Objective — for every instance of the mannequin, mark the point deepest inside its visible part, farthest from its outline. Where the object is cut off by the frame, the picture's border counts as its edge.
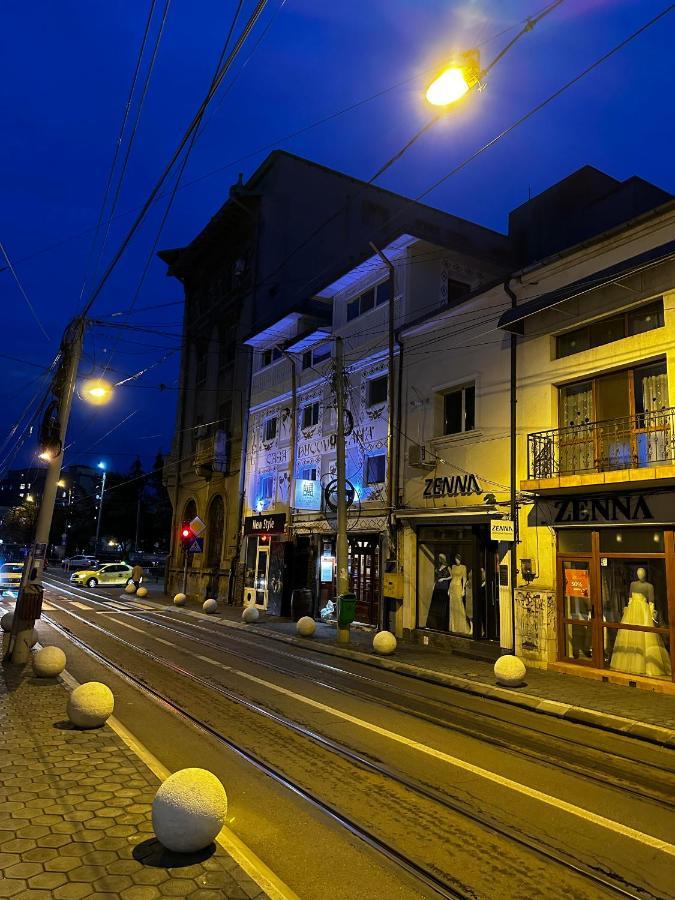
(458, 579)
(437, 617)
(468, 600)
(640, 652)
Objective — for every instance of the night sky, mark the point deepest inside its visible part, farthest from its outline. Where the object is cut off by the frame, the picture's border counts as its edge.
(67, 70)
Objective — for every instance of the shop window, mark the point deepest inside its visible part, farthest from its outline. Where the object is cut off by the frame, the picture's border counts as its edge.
(375, 469)
(459, 410)
(631, 540)
(622, 580)
(270, 429)
(310, 415)
(574, 540)
(611, 328)
(377, 390)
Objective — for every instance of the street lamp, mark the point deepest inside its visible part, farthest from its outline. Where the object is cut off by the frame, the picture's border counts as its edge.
(455, 81)
(101, 465)
(97, 391)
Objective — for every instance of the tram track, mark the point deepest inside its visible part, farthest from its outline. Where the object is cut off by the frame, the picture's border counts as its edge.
(431, 879)
(603, 765)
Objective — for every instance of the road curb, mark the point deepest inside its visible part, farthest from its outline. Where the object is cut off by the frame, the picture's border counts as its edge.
(644, 731)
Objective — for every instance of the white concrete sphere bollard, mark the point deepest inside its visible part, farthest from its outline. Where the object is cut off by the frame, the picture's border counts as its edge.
(306, 626)
(510, 670)
(130, 588)
(49, 662)
(90, 705)
(250, 614)
(179, 600)
(384, 643)
(189, 810)
(210, 605)
(142, 592)
(6, 621)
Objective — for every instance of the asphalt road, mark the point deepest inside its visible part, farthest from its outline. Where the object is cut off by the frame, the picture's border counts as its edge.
(351, 782)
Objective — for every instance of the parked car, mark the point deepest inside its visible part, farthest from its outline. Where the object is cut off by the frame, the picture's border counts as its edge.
(10, 575)
(108, 575)
(79, 561)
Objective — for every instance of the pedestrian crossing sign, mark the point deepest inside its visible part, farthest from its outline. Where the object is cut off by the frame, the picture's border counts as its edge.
(197, 546)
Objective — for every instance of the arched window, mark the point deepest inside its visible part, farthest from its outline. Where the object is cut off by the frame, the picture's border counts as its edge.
(216, 526)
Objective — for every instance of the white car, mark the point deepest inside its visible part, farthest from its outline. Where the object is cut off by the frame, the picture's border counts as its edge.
(110, 574)
(80, 561)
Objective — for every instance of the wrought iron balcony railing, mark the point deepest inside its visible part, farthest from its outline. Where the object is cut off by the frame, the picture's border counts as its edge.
(632, 442)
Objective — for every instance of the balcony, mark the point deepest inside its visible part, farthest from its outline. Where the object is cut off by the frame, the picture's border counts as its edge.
(631, 447)
(212, 454)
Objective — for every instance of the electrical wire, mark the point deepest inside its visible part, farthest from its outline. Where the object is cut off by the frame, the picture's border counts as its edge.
(23, 292)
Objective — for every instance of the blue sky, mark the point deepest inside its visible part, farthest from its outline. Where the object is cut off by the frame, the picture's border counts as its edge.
(68, 66)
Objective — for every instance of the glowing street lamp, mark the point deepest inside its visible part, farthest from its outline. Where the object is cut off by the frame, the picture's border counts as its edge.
(455, 81)
(97, 391)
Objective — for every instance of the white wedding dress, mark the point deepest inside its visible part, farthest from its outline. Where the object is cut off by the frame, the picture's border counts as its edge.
(640, 652)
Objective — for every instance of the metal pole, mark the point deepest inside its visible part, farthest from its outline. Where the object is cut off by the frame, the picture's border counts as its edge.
(100, 509)
(22, 630)
(341, 543)
(185, 562)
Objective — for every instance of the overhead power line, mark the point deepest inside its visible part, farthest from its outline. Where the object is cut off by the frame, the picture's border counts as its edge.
(23, 292)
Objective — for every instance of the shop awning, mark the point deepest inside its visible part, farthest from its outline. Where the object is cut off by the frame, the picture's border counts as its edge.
(513, 319)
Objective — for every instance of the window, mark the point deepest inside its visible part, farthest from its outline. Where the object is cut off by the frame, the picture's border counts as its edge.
(368, 300)
(377, 390)
(308, 473)
(456, 290)
(270, 356)
(225, 415)
(202, 363)
(265, 487)
(313, 357)
(215, 531)
(375, 467)
(611, 328)
(270, 429)
(459, 410)
(310, 415)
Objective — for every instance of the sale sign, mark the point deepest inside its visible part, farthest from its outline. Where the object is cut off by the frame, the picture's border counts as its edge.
(576, 582)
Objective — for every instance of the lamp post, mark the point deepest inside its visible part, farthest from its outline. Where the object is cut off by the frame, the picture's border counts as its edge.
(101, 465)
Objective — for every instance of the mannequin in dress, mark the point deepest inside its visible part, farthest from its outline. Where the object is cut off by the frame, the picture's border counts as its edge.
(458, 579)
(640, 652)
(437, 617)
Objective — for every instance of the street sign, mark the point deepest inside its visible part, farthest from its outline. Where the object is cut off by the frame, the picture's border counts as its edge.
(197, 525)
(501, 530)
(197, 546)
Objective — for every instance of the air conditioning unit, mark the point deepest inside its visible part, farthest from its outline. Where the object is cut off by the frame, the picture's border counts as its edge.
(418, 457)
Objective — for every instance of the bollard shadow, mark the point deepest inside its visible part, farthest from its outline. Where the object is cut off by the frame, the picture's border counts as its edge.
(64, 725)
(152, 853)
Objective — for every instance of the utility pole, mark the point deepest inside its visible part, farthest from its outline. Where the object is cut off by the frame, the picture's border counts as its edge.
(341, 543)
(100, 508)
(31, 579)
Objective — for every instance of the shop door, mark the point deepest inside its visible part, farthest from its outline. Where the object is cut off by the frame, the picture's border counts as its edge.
(364, 576)
(577, 602)
(261, 574)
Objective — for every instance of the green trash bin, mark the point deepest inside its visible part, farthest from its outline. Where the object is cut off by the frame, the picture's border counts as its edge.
(346, 610)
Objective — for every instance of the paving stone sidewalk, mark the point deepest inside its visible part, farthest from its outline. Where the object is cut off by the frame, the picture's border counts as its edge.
(75, 811)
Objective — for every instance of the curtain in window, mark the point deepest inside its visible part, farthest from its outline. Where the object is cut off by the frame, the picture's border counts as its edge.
(654, 444)
(576, 437)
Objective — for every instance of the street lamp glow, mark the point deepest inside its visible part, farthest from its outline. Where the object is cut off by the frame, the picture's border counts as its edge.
(45, 455)
(455, 81)
(101, 465)
(97, 391)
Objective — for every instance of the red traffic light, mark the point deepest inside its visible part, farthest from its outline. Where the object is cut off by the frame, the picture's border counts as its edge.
(186, 533)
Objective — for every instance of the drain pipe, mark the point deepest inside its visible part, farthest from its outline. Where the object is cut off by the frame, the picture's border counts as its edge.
(513, 466)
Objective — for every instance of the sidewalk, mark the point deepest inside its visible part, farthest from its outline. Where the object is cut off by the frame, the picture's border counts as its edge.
(648, 715)
(76, 809)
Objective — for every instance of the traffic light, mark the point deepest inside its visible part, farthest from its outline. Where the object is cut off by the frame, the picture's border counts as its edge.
(186, 534)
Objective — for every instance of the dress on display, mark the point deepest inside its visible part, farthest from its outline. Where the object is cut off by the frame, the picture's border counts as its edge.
(458, 620)
(437, 617)
(639, 652)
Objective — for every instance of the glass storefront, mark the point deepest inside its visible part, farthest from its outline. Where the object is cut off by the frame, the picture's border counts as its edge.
(457, 584)
(613, 587)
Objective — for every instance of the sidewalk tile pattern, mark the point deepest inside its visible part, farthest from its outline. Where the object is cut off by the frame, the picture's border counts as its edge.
(75, 808)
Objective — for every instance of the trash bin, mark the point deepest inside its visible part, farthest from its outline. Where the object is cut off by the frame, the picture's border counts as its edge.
(346, 610)
(301, 603)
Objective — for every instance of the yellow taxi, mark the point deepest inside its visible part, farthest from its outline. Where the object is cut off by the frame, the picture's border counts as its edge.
(109, 575)
(10, 576)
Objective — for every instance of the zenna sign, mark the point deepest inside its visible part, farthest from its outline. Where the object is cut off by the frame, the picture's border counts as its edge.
(452, 486)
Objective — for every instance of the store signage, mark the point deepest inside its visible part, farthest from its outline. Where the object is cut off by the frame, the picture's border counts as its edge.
(576, 582)
(312, 449)
(327, 564)
(275, 457)
(619, 508)
(501, 530)
(452, 486)
(307, 494)
(272, 523)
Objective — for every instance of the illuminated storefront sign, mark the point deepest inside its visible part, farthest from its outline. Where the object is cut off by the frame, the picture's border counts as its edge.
(452, 486)
(307, 494)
